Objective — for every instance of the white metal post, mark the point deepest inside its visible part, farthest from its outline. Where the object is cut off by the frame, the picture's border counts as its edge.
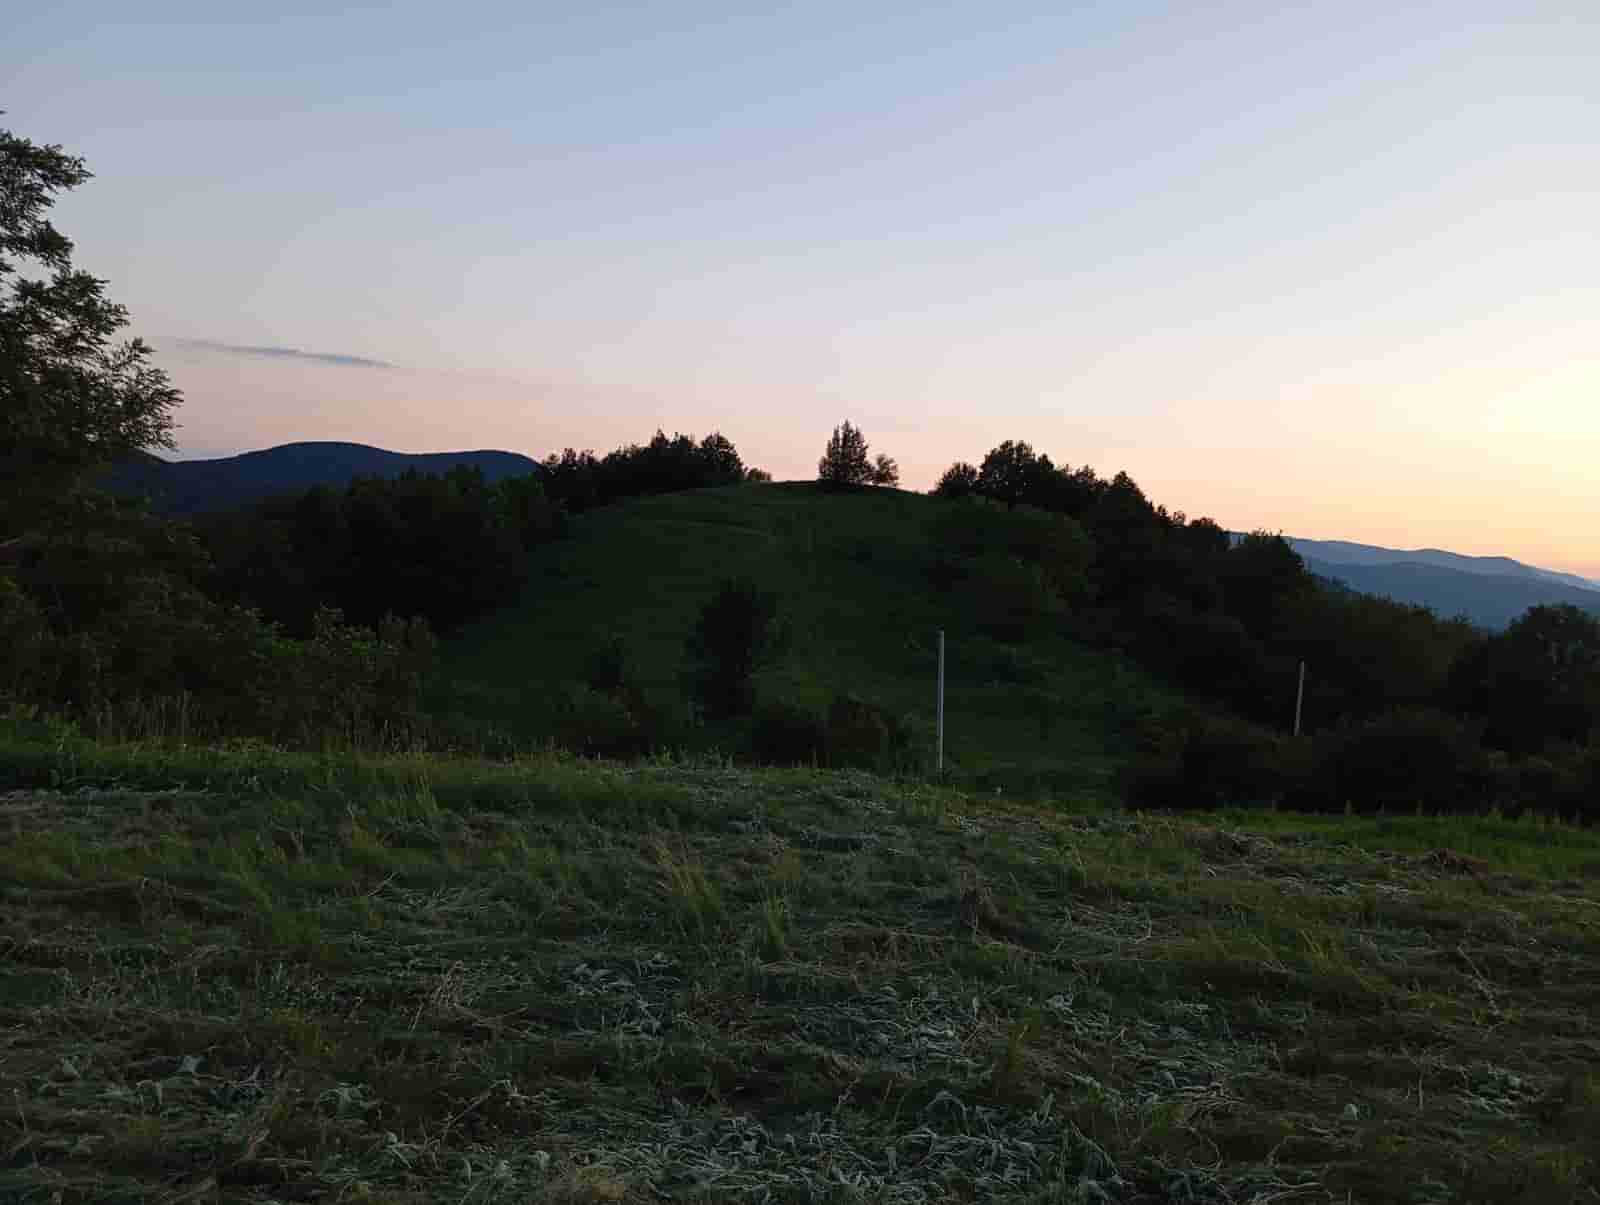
(941, 701)
(1299, 697)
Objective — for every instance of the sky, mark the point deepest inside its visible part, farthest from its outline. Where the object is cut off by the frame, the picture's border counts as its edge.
(1330, 270)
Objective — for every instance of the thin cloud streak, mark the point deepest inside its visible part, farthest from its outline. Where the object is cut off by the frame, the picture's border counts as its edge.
(284, 353)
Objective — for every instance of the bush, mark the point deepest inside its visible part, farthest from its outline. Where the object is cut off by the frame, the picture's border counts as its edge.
(106, 628)
(1152, 782)
(1210, 762)
(596, 724)
(606, 667)
(736, 632)
(785, 734)
(362, 686)
(1400, 761)
(1585, 806)
(1227, 761)
(865, 735)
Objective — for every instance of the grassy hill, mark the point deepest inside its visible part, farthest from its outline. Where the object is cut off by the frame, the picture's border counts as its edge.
(851, 572)
(244, 977)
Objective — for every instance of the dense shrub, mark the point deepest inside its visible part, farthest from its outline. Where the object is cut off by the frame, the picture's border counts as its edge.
(736, 632)
(609, 724)
(786, 734)
(1210, 761)
(605, 667)
(1400, 761)
(104, 623)
(1585, 799)
(863, 734)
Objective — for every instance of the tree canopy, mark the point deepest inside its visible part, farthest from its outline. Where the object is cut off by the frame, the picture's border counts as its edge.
(845, 462)
(581, 480)
(72, 398)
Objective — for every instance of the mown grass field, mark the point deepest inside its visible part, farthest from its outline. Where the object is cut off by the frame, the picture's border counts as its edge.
(859, 615)
(253, 977)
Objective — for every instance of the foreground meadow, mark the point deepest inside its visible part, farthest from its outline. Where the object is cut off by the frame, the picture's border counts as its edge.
(251, 977)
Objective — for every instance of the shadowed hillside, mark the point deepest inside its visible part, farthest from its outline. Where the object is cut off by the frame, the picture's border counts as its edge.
(188, 487)
(860, 616)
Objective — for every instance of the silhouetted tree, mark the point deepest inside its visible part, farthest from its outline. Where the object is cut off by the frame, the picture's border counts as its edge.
(581, 481)
(736, 631)
(1536, 683)
(845, 463)
(885, 471)
(71, 400)
(1007, 472)
(719, 462)
(1129, 540)
(960, 480)
(573, 479)
(1261, 574)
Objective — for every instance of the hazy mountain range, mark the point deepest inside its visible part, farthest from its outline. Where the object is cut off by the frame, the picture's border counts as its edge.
(190, 487)
(1491, 591)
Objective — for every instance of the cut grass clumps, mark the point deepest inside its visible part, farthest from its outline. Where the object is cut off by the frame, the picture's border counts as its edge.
(237, 976)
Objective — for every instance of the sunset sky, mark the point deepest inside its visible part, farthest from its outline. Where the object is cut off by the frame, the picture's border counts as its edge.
(1326, 269)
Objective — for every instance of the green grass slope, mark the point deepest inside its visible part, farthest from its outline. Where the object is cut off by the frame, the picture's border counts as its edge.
(861, 617)
(242, 977)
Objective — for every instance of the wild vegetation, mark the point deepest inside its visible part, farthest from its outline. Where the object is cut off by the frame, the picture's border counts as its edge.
(1407, 708)
(229, 971)
(439, 548)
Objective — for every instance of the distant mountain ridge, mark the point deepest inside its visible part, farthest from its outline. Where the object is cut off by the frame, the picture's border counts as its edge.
(1490, 591)
(191, 487)
(1343, 552)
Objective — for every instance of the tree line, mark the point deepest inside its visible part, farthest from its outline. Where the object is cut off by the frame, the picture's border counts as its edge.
(1429, 708)
(580, 481)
